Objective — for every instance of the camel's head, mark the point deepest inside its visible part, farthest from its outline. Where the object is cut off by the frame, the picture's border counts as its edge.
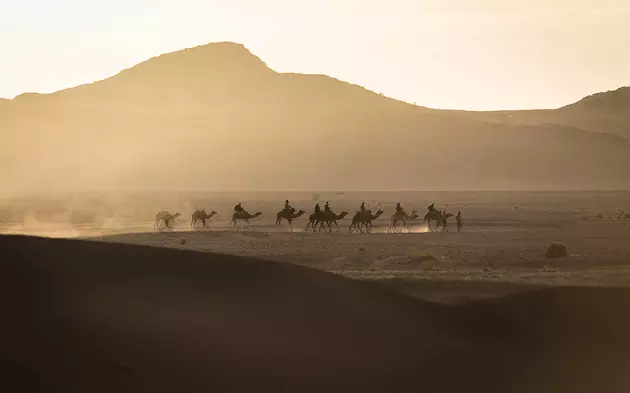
(176, 215)
(343, 214)
(447, 216)
(300, 213)
(258, 214)
(212, 213)
(378, 213)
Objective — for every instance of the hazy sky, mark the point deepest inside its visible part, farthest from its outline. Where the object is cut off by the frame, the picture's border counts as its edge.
(471, 54)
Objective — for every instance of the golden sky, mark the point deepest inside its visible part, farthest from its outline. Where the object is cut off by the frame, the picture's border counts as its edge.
(459, 54)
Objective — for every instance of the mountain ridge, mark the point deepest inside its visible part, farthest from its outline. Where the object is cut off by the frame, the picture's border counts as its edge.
(218, 112)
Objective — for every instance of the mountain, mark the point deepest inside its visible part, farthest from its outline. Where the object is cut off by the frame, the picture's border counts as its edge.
(216, 117)
(607, 112)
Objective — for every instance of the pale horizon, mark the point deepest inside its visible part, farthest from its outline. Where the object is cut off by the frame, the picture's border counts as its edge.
(474, 55)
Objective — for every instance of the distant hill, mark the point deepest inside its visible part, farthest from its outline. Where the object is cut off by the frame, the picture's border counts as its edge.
(615, 101)
(607, 112)
(216, 117)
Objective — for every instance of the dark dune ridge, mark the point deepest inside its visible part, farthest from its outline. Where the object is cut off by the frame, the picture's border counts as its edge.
(82, 316)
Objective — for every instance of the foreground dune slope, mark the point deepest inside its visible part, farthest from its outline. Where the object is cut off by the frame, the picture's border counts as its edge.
(84, 316)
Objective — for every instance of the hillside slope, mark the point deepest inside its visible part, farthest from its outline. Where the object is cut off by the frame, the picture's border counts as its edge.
(607, 112)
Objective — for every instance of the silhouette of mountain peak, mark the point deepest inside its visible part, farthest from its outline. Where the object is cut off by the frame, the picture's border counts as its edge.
(221, 60)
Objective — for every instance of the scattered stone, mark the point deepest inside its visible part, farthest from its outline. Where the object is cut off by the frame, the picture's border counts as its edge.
(183, 241)
(556, 250)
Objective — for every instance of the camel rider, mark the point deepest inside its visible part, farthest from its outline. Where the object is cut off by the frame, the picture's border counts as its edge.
(327, 208)
(318, 210)
(238, 208)
(362, 209)
(287, 207)
(399, 209)
(431, 206)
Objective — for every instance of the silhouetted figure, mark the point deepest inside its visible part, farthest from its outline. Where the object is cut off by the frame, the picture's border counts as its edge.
(399, 209)
(431, 207)
(327, 207)
(288, 207)
(238, 208)
(362, 207)
(459, 221)
(318, 210)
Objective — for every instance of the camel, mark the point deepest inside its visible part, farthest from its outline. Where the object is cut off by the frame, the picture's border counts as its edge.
(328, 218)
(289, 216)
(401, 216)
(244, 217)
(365, 219)
(165, 217)
(201, 215)
(438, 217)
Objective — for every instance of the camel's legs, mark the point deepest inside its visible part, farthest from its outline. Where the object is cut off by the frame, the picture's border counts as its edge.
(361, 227)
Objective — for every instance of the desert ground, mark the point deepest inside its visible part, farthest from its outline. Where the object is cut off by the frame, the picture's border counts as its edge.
(120, 307)
(500, 251)
(85, 316)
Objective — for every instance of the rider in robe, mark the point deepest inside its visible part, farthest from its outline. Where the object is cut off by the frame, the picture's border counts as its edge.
(431, 207)
(287, 207)
(399, 209)
(327, 207)
(318, 210)
(238, 208)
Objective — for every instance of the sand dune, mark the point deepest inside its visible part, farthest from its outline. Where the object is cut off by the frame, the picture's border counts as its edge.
(96, 317)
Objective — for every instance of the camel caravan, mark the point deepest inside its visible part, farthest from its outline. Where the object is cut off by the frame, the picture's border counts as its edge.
(320, 219)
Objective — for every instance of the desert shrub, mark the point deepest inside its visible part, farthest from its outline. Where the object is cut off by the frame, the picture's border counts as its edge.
(548, 269)
(556, 250)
